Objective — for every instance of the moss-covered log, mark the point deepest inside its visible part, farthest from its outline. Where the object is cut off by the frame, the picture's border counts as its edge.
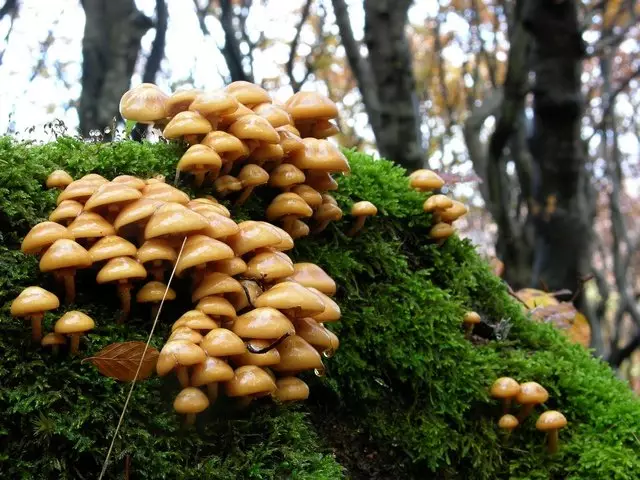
(405, 385)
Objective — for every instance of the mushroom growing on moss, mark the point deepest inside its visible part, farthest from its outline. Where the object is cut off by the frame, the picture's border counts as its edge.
(64, 257)
(470, 319)
(53, 340)
(530, 395)
(59, 179)
(88, 227)
(508, 423)
(199, 160)
(210, 373)
(506, 389)
(188, 125)
(32, 303)
(425, 180)
(179, 355)
(74, 324)
(66, 212)
(251, 176)
(361, 210)
(551, 421)
(42, 236)
(157, 256)
(291, 389)
(441, 231)
(122, 271)
(190, 401)
(249, 380)
(144, 103)
(153, 292)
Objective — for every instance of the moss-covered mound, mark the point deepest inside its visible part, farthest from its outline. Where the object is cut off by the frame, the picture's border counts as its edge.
(406, 396)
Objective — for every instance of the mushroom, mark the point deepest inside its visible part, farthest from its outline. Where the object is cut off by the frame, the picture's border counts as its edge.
(437, 203)
(219, 226)
(215, 283)
(74, 324)
(275, 115)
(89, 227)
(188, 125)
(331, 311)
(247, 93)
(53, 340)
(42, 236)
(195, 320)
(321, 181)
(308, 194)
(323, 340)
(508, 422)
(180, 100)
(311, 275)
(322, 129)
(441, 231)
(267, 155)
(129, 181)
(64, 257)
(252, 235)
(32, 303)
(165, 193)
(227, 184)
(425, 180)
(231, 266)
(250, 177)
(110, 198)
(269, 265)
(266, 357)
(66, 212)
(286, 176)
(199, 160)
(249, 381)
(296, 355)
(59, 179)
(320, 155)
(210, 373)
(254, 131)
(551, 421)
(325, 214)
(121, 271)
(174, 223)
(291, 389)
(290, 140)
(217, 307)
(505, 388)
(288, 207)
(299, 229)
(200, 250)
(361, 210)
(179, 355)
(221, 342)
(154, 292)
(190, 401)
(453, 213)
(293, 299)
(155, 255)
(230, 148)
(185, 333)
(309, 108)
(247, 296)
(263, 323)
(213, 104)
(470, 319)
(132, 219)
(110, 247)
(79, 190)
(530, 395)
(144, 103)
(227, 120)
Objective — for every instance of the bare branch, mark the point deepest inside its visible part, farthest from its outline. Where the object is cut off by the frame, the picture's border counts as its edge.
(294, 47)
(157, 49)
(231, 50)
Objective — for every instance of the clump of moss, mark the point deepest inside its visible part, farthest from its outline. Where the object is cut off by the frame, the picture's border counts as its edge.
(404, 373)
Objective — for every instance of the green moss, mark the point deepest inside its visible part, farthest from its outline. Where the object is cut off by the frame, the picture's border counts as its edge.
(404, 373)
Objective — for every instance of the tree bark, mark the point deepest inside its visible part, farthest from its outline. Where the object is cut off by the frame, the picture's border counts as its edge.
(231, 50)
(400, 137)
(560, 211)
(157, 49)
(110, 47)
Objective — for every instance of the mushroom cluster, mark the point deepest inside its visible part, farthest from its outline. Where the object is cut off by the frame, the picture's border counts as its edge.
(445, 210)
(528, 395)
(240, 140)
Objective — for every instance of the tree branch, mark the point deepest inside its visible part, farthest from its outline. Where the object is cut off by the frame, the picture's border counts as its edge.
(231, 50)
(157, 49)
(294, 46)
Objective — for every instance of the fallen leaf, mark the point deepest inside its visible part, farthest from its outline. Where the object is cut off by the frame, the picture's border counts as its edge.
(567, 319)
(121, 361)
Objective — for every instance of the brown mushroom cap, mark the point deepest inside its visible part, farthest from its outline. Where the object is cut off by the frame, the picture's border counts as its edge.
(199, 250)
(64, 254)
(316, 334)
(229, 148)
(154, 292)
(272, 357)
(286, 240)
(112, 194)
(437, 202)
(505, 387)
(43, 235)
(508, 422)
(120, 269)
(253, 175)
(308, 194)
(290, 140)
(254, 127)
(424, 180)
(441, 231)
(262, 323)
(66, 211)
(156, 249)
(136, 212)
(231, 266)
(79, 190)
(291, 389)
(311, 275)
(471, 318)
(331, 311)
(33, 300)
(454, 212)
(216, 307)
(320, 155)
(227, 120)
(328, 212)
(285, 176)
(221, 342)
(245, 298)
(185, 333)
(310, 106)
(186, 123)
(195, 320)
(210, 371)
(214, 103)
(248, 93)
(219, 226)
(227, 184)
(166, 193)
(292, 297)
(215, 283)
(129, 181)
(269, 265)
(191, 400)
(180, 100)
(532, 393)
(253, 235)
(551, 420)
(321, 181)
(144, 103)
(249, 380)
(288, 204)
(275, 115)
(296, 355)
(177, 222)
(319, 129)
(90, 225)
(199, 158)
(58, 179)
(51, 339)
(179, 353)
(363, 209)
(111, 246)
(74, 322)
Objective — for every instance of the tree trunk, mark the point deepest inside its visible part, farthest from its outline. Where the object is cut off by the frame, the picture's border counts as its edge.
(110, 47)
(231, 50)
(399, 138)
(560, 211)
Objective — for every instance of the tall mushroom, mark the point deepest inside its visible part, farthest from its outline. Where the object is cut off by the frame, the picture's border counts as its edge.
(506, 389)
(551, 421)
(74, 324)
(199, 160)
(210, 373)
(179, 355)
(530, 395)
(59, 179)
(251, 176)
(470, 319)
(110, 247)
(32, 303)
(361, 210)
(64, 257)
(189, 402)
(154, 292)
(122, 271)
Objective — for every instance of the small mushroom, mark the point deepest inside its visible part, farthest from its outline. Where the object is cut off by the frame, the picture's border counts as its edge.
(53, 340)
(217, 307)
(130, 181)
(214, 104)
(110, 247)
(320, 155)
(247, 93)
(59, 179)
(247, 296)
(66, 212)
(425, 180)
(153, 292)
(251, 176)
(227, 184)
(530, 395)
(249, 380)
(325, 214)
(199, 160)
(470, 319)
(323, 340)
(299, 229)
(89, 227)
(210, 373)
(144, 103)
(308, 194)
(157, 256)
(110, 199)
(506, 389)
(262, 323)
(185, 333)
(74, 324)
(252, 235)
(291, 389)
(180, 100)
(42, 236)
(286, 176)
(296, 355)
(230, 148)
(293, 299)
(508, 422)
(266, 357)
(188, 125)
(254, 131)
(320, 181)
(361, 210)
(269, 265)
(179, 355)
(190, 401)
(216, 283)
(311, 275)
(453, 213)
(164, 192)
(231, 266)
(221, 342)
(196, 320)
(198, 252)
(551, 421)
(122, 271)
(441, 231)
(32, 303)
(64, 257)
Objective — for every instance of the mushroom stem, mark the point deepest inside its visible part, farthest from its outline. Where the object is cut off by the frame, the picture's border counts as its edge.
(468, 329)
(183, 376)
(244, 402)
(191, 139)
(321, 226)
(155, 308)
(357, 226)
(55, 349)
(36, 326)
(69, 286)
(244, 195)
(157, 273)
(525, 412)
(553, 441)
(190, 419)
(177, 177)
(212, 392)
(199, 177)
(75, 343)
(506, 404)
(226, 168)
(124, 292)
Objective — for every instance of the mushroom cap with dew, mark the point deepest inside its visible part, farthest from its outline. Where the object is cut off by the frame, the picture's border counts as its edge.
(186, 123)
(65, 254)
(112, 246)
(291, 296)
(253, 175)
(199, 250)
(249, 380)
(90, 225)
(179, 353)
(437, 202)
(215, 283)
(310, 106)
(129, 181)
(471, 318)
(165, 193)
(185, 333)
(248, 93)
(212, 370)
(66, 211)
(52, 338)
(269, 265)
(156, 249)
(144, 103)
(247, 297)
(58, 179)
(308, 194)
(221, 342)
(227, 184)
(272, 357)
(219, 226)
(285, 176)
(286, 204)
(180, 100)
(136, 212)
(190, 400)
(532, 393)
(231, 266)
(43, 235)
(226, 120)
(296, 355)
(508, 422)
(262, 323)
(254, 127)
(441, 230)
(214, 102)
(363, 209)
(274, 114)
(311, 275)
(33, 300)
(74, 322)
(320, 155)
(331, 311)
(216, 307)
(291, 389)
(505, 387)
(321, 181)
(200, 157)
(290, 141)
(154, 292)
(121, 269)
(229, 148)
(174, 222)
(454, 212)
(316, 334)
(253, 235)
(195, 320)
(551, 420)
(112, 194)
(424, 179)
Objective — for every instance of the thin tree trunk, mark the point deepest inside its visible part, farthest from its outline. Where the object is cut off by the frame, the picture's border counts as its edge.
(231, 50)
(157, 49)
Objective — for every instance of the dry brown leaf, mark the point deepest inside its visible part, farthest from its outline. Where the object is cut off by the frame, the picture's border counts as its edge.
(121, 360)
